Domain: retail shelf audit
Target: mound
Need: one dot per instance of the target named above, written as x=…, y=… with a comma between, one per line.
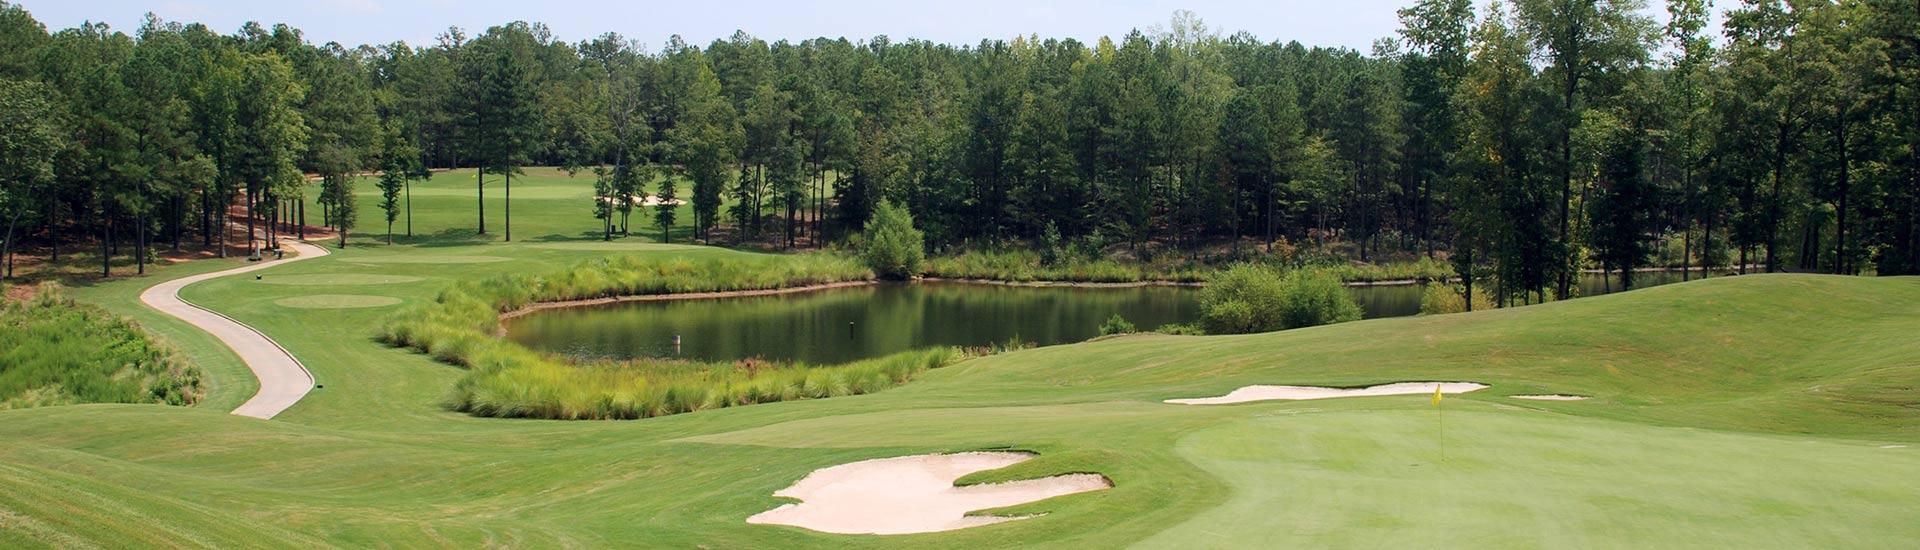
x=1270, y=393
x=914, y=494
x=331, y=279
x=336, y=301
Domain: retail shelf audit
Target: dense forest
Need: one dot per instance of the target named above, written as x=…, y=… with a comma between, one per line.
x=1522, y=140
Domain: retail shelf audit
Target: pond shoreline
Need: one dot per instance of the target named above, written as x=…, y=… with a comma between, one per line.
x=564, y=304
x=678, y=296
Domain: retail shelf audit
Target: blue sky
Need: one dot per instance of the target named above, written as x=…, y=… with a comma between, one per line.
x=1350, y=23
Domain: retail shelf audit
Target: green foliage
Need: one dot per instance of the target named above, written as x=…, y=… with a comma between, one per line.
x=1249, y=298
x=892, y=247
x=1181, y=329
x=54, y=351
x=1423, y=269
x=1440, y=298
x=1117, y=325
x=1020, y=265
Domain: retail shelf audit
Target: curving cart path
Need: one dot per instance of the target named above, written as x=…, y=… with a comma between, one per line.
x=283, y=380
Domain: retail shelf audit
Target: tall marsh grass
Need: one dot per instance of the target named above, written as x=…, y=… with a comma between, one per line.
x=54, y=351
x=1020, y=265
x=509, y=380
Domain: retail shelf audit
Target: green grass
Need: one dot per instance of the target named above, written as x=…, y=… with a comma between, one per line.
x=54, y=351
x=1754, y=411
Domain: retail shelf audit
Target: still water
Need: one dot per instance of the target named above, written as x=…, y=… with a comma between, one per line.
x=855, y=323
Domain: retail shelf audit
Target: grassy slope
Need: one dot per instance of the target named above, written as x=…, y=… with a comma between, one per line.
x=1744, y=411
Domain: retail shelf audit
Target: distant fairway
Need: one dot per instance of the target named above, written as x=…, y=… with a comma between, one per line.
x=1755, y=411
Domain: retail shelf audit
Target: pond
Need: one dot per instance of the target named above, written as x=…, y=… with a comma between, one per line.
x=843, y=325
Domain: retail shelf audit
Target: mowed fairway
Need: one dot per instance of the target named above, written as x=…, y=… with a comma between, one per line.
x=1757, y=411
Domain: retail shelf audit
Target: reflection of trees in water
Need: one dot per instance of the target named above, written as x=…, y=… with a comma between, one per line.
x=815, y=326
x=888, y=318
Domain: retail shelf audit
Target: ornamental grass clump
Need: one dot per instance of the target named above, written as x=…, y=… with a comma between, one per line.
x=55, y=351
x=505, y=379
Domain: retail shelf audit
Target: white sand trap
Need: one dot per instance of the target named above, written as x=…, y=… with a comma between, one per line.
x=1550, y=397
x=1270, y=393
x=914, y=494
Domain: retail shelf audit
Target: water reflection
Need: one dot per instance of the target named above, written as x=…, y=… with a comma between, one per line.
x=847, y=324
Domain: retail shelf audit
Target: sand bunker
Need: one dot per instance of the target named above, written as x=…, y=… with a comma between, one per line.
x=1269, y=393
x=336, y=301
x=1550, y=397
x=332, y=279
x=914, y=494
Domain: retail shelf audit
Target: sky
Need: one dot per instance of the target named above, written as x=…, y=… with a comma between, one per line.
x=1349, y=23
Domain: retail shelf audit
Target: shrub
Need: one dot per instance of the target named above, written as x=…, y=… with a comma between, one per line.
x=55, y=351
x=894, y=249
x=1315, y=299
x=1439, y=299
x=1248, y=298
x=1243, y=298
x=1181, y=329
x=1117, y=324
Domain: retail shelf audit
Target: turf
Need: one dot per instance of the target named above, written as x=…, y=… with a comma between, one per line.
x=1756, y=411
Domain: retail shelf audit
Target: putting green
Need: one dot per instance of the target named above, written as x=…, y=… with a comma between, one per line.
x=336, y=279
x=431, y=259
x=337, y=301
x=1378, y=480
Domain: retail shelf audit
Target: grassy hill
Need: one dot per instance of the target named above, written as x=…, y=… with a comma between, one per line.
x=1759, y=411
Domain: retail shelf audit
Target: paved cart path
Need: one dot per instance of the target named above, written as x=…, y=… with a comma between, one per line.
x=283, y=380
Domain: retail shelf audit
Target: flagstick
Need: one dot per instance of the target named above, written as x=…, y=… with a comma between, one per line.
x=1442, y=412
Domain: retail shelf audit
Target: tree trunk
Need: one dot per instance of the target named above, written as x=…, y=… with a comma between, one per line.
x=53, y=231
x=106, y=254
x=480, y=185
x=1686, y=253
x=220, y=227
x=252, y=197
x=1840, y=242
x=140, y=244
x=206, y=219
x=509, y=206
x=1566, y=181
x=6, y=246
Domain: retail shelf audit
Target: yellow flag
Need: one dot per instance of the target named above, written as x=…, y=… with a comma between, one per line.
x=1436, y=395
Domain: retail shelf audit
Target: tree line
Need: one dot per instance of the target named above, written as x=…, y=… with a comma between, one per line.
x=1522, y=139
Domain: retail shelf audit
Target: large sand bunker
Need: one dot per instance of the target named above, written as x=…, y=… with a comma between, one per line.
x=1269, y=393
x=914, y=494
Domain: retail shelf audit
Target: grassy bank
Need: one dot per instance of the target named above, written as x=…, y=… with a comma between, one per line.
x=54, y=351
x=509, y=380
